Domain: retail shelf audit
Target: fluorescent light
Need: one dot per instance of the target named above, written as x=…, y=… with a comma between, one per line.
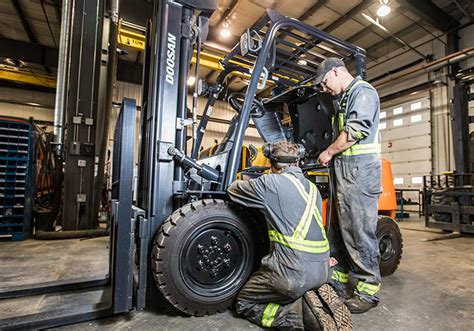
x=383, y=10
x=225, y=33
x=302, y=62
x=191, y=80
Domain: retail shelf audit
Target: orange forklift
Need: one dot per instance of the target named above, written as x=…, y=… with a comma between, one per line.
x=388, y=232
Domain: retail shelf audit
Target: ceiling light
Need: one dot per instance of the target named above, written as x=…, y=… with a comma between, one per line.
x=302, y=62
x=384, y=9
x=191, y=80
x=225, y=33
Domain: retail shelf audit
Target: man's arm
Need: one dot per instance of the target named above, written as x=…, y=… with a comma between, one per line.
x=248, y=193
x=338, y=146
x=362, y=108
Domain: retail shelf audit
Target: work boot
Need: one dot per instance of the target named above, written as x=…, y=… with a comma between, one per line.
x=340, y=289
x=321, y=319
x=357, y=305
x=340, y=313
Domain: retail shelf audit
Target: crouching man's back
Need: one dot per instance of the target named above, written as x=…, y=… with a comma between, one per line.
x=298, y=260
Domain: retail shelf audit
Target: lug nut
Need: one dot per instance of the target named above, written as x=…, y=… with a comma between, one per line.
x=214, y=240
x=227, y=248
x=213, y=273
x=200, y=265
x=200, y=249
x=226, y=263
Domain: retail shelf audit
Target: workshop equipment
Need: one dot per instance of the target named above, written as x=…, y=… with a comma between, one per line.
x=183, y=238
x=17, y=142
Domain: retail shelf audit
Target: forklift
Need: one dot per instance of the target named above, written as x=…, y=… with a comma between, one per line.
x=183, y=240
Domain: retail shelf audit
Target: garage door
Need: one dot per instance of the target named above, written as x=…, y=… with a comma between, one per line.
x=407, y=143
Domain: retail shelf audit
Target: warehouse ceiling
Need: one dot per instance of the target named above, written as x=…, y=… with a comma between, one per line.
x=29, y=29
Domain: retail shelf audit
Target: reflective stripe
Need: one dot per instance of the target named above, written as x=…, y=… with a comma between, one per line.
x=370, y=289
x=340, y=276
x=303, y=226
x=297, y=241
x=346, y=97
x=358, y=149
x=305, y=197
x=341, y=122
x=310, y=246
x=269, y=314
x=374, y=148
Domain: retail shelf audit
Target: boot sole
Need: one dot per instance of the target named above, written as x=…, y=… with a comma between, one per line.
x=340, y=312
x=317, y=308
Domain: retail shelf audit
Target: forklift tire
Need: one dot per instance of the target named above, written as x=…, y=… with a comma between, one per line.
x=390, y=245
x=203, y=254
x=445, y=200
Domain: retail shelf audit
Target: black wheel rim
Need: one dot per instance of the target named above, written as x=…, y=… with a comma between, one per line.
x=386, y=247
x=215, y=258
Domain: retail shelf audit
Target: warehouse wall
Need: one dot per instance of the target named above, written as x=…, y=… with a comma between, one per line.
x=14, y=102
x=414, y=138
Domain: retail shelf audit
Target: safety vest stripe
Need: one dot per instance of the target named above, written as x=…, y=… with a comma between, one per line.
x=346, y=97
x=307, y=215
x=303, y=193
x=305, y=197
x=269, y=314
x=370, y=289
x=358, y=149
x=306, y=226
x=340, y=276
x=310, y=246
x=303, y=226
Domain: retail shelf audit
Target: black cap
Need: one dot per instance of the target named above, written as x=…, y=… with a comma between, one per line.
x=326, y=66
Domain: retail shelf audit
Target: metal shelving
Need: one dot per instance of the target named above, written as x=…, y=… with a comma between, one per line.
x=16, y=178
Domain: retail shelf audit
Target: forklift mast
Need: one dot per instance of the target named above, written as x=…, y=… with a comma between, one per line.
x=163, y=123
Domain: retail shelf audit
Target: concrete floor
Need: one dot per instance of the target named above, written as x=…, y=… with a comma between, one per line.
x=433, y=289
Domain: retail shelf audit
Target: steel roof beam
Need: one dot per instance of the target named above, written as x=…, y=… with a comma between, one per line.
x=400, y=34
x=314, y=8
x=347, y=16
x=429, y=12
x=29, y=52
x=24, y=22
x=227, y=12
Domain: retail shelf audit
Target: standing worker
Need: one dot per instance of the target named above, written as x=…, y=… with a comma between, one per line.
x=299, y=256
x=358, y=170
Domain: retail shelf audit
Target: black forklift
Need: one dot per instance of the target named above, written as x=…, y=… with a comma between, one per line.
x=182, y=237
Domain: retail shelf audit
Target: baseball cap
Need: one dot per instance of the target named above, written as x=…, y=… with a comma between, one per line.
x=326, y=66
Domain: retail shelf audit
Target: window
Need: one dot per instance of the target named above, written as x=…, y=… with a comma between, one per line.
x=398, y=180
x=417, y=180
x=398, y=110
x=382, y=125
x=383, y=114
x=415, y=105
x=416, y=118
x=398, y=122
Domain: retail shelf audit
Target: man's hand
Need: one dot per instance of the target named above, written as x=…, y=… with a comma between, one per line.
x=324, y=157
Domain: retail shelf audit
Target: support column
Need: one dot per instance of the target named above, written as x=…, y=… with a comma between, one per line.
x=81, y=117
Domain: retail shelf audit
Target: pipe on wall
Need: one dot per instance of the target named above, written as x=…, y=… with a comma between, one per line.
x=435, y=65
x=62, y=77
x=110, y=87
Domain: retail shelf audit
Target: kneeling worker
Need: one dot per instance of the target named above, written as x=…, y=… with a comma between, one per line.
x=298, y=260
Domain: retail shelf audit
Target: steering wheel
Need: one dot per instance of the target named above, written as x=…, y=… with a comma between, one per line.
x=236, y=101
